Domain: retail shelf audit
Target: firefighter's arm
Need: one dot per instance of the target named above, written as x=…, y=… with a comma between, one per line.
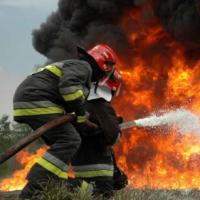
x=73, y=88
x=109, y=124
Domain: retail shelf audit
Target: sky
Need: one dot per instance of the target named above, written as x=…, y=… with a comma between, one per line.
x=18, y=18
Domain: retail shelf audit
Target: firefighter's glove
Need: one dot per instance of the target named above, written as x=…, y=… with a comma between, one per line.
x=120, y=119
x=82, y=118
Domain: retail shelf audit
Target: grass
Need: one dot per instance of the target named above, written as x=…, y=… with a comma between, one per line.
x=59, y=192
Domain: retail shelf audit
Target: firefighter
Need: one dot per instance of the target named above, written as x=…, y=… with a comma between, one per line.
x=51, y=92
x=95, y=161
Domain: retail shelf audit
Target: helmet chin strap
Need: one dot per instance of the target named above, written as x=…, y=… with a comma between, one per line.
x=96, y=86
x=108, y=76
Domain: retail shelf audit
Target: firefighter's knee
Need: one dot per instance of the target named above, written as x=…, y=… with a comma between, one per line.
x=77, y=141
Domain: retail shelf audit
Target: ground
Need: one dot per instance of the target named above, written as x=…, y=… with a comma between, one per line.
x=129, y=194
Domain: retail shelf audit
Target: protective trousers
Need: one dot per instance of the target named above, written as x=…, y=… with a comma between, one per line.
x=63, y=142
x=94, y=164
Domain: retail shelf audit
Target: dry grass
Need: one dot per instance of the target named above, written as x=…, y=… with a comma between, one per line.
x=59, y=192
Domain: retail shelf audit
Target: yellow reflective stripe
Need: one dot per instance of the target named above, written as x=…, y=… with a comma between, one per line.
x=52, y=68
x=37, y=111
x=55, y=70
x=73, y=96
x=89, y=174
x=52, y=168
x=81, y=119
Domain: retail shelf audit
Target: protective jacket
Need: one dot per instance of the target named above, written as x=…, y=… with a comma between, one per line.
x=102, y=113
x=54, y=89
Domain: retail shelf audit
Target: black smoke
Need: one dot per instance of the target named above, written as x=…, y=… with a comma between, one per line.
x=84, y=23
x=88, y=22
x=181, y=18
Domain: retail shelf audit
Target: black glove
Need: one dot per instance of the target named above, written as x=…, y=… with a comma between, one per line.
x=120, y=119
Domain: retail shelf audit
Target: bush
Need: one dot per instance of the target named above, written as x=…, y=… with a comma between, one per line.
x=10, y=133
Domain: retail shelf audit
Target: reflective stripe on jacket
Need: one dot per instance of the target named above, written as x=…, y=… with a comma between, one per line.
x=36, y=108
x=55, y=88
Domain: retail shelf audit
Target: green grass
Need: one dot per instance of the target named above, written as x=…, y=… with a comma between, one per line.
x=59, y=192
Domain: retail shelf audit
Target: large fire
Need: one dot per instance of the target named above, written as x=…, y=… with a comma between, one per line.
x=159, y=76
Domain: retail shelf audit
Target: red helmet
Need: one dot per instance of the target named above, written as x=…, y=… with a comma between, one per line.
x=104, y=56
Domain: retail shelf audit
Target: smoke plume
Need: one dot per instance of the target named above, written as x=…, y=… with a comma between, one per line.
x=84, y=23
x=87, y=22
x=182, y=20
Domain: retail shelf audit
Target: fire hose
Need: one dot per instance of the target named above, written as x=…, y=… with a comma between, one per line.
x=36, y=134
x=148, y=122
x=33, y=136
x=49, y=125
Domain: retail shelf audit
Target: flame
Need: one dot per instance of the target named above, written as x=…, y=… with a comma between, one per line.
x=18, y=179
x=158, y=76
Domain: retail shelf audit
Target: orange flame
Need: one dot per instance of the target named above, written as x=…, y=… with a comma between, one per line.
x=159, y=76
x=18, y=178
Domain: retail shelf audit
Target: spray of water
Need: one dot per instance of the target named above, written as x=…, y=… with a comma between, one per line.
x=184, y=120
